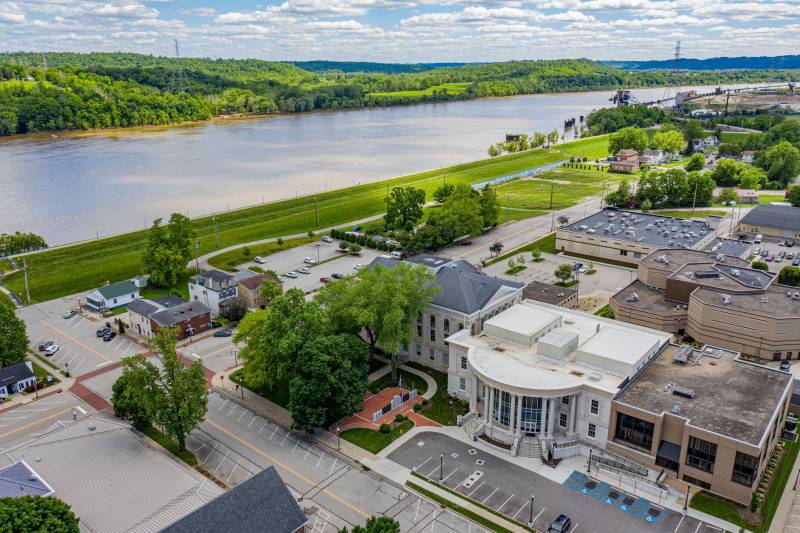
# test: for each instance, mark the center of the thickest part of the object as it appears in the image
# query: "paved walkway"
(787, 516)
(432, 387)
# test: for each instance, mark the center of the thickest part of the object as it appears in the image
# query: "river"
(70, 187)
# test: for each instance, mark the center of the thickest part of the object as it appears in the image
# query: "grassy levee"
(83, 266)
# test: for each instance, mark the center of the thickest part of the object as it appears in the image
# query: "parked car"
(358, 266)
(223, 333)
(45, 345)
(102, 331)
(796, 261)
(337, 275)
(780, 256)
(260, 260)
(109, 336)
(304, 270)
(465, 242)
(757, 251)
(50, 350)
(396, 255)
(790, 256)
(291, 274)
(561, 524)
(356, 228)
(323, 279)
(309, 261)
(781, 243)
(758, 239)
(769, 257)
(785, 365)
(764, 252)
(325, 238)
(69, 314)
(790, 243)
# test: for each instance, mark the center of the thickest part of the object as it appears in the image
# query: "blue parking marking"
(575, 480)
(639, 507)
(601, 490)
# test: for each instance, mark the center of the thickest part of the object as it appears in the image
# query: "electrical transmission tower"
(674, 73)
(179, 83)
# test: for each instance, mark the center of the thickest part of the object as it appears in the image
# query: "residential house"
(466, 300)
(249, 289)
(213, 288)
(112, 296)
(260, 504)
(749, 156)
(626, 161)
(655, 157)
(147, 317)
(746, 196)
(15, 378)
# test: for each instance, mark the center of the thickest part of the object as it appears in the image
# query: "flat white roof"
(625, 346)
(519, 319)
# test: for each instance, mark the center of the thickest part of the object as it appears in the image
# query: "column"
(554, 410)
(573, 412)
(519, 415)
(490, 417)
(486, 412)
(473, 394)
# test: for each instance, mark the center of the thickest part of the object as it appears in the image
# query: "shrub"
(279, 241)
(417, 407)
(399, 418)
(386, 428)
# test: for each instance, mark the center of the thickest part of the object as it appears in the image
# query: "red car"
(324, 280)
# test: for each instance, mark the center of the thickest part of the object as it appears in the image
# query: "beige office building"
(775, 221)
(703, 416)
(715, 300)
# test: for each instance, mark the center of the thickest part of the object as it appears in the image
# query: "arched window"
(433, 321)
(460, 326)
(446, 327)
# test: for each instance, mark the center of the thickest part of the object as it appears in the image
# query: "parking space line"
(104, 363)
(332, 466)
(251, 422)
(320, 459)
(220, 463)
(235, 466)
(284, 439)
(473, 490)
(244, 412)
(538, 515)
(76, 341)
(699, 525)
(490, 495)
(308, 451)
(433, 471)
(524, 505)
(273, 432)
(448, 475)
(505, 502)
(262, 427)
(295, 445)
(423, 462)
(679, 523)
(232, 410)
(81, 409)
(213, 449)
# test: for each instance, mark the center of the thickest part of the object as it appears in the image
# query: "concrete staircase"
(529, 447)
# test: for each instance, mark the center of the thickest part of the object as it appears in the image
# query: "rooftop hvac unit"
(594, 376)
(676, 408)
(634, 297)
(726, 299)
(735, 272)
(683, 392)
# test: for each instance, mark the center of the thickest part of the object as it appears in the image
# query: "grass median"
(83, 266)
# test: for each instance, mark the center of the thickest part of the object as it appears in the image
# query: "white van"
(758, 239)
(396, 255)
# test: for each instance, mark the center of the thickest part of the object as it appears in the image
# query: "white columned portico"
(473, 394)
(573, 411)
(519, 416)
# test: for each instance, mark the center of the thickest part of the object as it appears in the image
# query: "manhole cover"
(613, 495)
(420, 443)
(454, 455)
(473, 451)
(654, 512)
(628, 501)
(479, 462)
(590, 484)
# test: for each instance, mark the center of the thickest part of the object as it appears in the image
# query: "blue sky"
(406, 30)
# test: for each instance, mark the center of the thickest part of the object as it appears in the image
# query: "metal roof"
(262, 504)
(19, 479)
(547, 292)
(216, 275)
(142, 307)
(773, 216)
(115, 290)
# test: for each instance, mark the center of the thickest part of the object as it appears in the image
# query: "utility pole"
(25, 271)
(196, 260)
(694, 200)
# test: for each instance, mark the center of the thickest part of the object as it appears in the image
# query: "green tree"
(670, 140)
(130, 392)
(270, 289)
(793, 195)
(168, 250)
(646, 206)
(552, 137)
(180, 236)
(650, 187)
(443, 192)
(751, 178)
(699, 189)
(692, 129)
(633, 138)
(354, 248)
(789, 275)
(760, 265)
(536, 255)
(13, 337)
(404, 207)
(272, 338)
(382, 302)
(728, 196)
(379, 524)
(727, 172)
(538, 139)
(781, 161)
(495, 248)
(563, 272)
(330, 382)
(490, 210)
(36, 514)
(621, 196)
(235, 309)
(697, 162)
(675, 187)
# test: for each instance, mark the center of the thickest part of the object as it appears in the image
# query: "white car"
(260, 260)
(357, 266)
(325, 238)
(291, 274)
(304, 270)
(309, 261)
(50, 350)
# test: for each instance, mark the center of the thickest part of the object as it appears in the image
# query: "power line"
(179, 83)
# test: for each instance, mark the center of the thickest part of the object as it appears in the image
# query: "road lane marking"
(76, 341)
(103, 364)
(289, 469)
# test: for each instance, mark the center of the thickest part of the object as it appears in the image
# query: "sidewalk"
(787, 515)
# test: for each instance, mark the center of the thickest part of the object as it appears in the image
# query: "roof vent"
(32, 477)
(634, 297)
(676, 408)
(726, 299)
(682, 392)
(92, 427)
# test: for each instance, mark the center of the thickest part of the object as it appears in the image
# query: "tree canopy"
(36, 514)
(404, 207)
(781, 161)
(629, 137)
(13, 337)
(670, 140)
(168, 251)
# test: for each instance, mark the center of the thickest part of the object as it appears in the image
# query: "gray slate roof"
(216, 275)
(774, 216)
(14, 373)
(19, 479)
(173, 315)
(169, 301)
(115, 290)
(547, 292)
(262, 504)
(464, 289)
(142, 307)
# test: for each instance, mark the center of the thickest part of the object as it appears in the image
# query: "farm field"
(450, 88)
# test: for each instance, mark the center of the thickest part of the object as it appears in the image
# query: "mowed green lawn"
(451, 88)
(732, 136)
(591, 148)
(70, 269)
(568, 187)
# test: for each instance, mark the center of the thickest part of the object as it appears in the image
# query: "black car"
(562, 524)
(43, 346)
(102, 331)
(790, 243)
(336, 275)
(785, 366)
(109, 335)
(223, 333)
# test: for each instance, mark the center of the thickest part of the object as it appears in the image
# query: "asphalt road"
(23, 423)
(508, 488)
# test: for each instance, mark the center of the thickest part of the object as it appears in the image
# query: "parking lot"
(773, 249)
(80, 350)
(27, 421)
(507, 488)
(215, 352)
(330, 261)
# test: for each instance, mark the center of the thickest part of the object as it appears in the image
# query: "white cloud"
(11, 12)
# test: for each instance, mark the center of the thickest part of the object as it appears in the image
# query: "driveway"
(80, 351)
(507, 488)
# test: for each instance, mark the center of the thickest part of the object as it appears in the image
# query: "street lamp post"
(530, 518)
(338, 438)
(686, 502)
(66, 365)
(235, 359)
(441, 468)
(589, 468)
